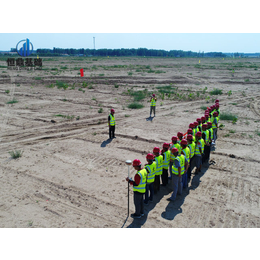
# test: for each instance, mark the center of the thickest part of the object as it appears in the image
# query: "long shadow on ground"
(104, 143)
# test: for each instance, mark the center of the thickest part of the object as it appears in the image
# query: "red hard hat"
(198, 133)
(184, 142)
(217, 105)
(136, 162)
(156, 150)
(216, 101)
(203, 118)
(174, 138)
(196, 123)
(215, 113)
(149, 156)
(166, 145)
(153, 95)
(189, 137)
(175, 150)
(189, 131)
(112, 110)
(210, 123)
(179, 134)
(205, 126)
(198, 119)
(191, 125)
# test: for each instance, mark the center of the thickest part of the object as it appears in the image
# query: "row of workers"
(177, 157)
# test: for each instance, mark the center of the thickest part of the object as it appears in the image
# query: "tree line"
(126, 52)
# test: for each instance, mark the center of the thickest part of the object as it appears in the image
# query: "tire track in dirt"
(72, 199)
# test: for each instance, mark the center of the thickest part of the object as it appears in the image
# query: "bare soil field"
(70, 175)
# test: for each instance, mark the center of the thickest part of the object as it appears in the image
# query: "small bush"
(100, 110)
(203, 107)
(7, 91)
(216, 91)
(257, 132)
(37, 78)
(61, 84)
(227, 116)
(135, 105)
(116, 86)
(16, 154)
(50, 86)
(12, 101)
(232, 131)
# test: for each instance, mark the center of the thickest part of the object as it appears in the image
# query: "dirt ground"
(70, 175)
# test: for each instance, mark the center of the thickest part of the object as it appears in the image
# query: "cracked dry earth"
(71, 175)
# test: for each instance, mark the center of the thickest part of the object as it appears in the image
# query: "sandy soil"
(70, 175)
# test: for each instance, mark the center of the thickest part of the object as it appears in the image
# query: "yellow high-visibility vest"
(153, 102)
(142, 185)
(151, 169)
(112, 120)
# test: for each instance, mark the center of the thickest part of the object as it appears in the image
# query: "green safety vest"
(186, 152)
(153, 102)
(194, 131)
(176, 146)
(213, 124)
(159, 164)
(192, 149)
(211, 133)
(181, 159)
(141, 187)
(197, 150)
(207, 136)
(112, 120)
(151, 169)
(166, 161)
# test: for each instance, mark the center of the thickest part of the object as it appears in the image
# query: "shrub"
(12, 101)
(100, 110)
(216, 91)
(227, 116)
(135, 105)
(16, 154)
(61, 84)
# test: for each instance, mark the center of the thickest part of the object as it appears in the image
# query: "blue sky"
(207, 42)
(222, 26)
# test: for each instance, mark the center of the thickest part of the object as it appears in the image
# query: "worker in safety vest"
(151, 169)
(206, 138)
(178, 168)
(190, 132)
(200, 125)
(192, 126)
(139, 185)
(199, 150)
(196, 128)
(111, 124)
(217, 108)
(173, 144)
(180, 136)
(166, 153)
(191, 145)
(152, 104)
(210, 137)
(186, 152)
(159, 164)
(215, 125)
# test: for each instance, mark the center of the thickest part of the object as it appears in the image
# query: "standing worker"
(153, 104)
(151, 169)
(178, 168)
(199, 149)
(139, 184)
(173, 144)
(215, 126)
(186, 152)
(159, 162)
(206, 138)
(111, 124)
(191, 145)
(166, 153)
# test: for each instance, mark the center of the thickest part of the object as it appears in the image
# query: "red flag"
(81, 72)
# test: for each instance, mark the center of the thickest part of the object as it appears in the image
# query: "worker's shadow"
(174, 207)
(150, 118)
(104, 143)
(137, 223)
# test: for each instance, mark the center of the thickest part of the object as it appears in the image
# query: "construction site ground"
(71, 175)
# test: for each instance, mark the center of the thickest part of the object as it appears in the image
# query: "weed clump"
(135, 105)
(16, 154)
(216, 91)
